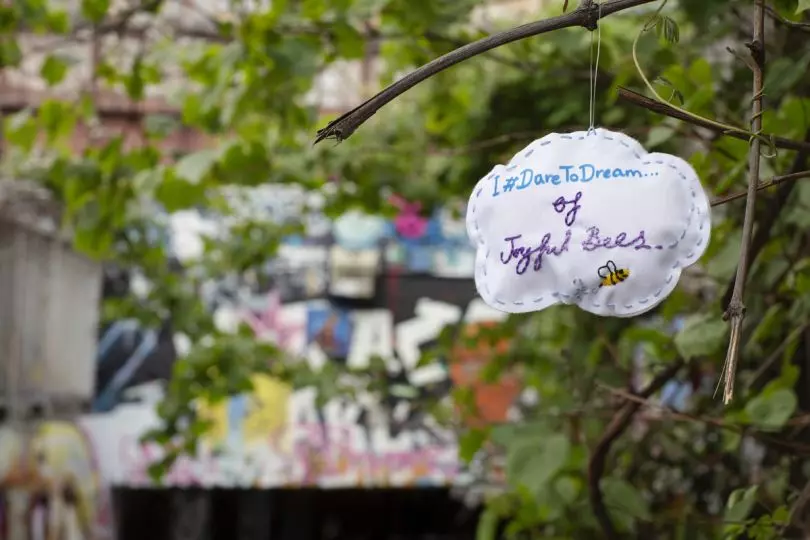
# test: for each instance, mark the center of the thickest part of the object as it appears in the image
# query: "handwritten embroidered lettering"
(523, 254)
(561, 204)
(595, 241)
(565, 174)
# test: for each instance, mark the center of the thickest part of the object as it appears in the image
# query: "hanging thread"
(594, 71)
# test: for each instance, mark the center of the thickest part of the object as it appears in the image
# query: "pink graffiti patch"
(409, 224)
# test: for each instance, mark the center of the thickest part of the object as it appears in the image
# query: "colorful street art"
(321, 289)
(278, 437)
(50, 487)
(346, 291)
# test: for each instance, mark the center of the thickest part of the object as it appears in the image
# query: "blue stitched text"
(565, 174)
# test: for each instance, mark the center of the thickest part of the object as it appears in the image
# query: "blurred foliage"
(690, 475)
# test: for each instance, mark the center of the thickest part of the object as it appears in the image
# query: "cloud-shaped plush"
(586, 218)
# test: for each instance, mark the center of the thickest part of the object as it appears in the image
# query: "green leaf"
(700, 72)
(21, 130)
(701, 335)
(95, 10)
(659, 135)
(769, 325)
(10, 54)
(802, 6)
(622, 498)
(675, 93)
(567, 489)
(57, 118)
(724, 263)
(194, 167)
(781, 515)
(177, 194)
(487, 525)
(784, 73)
(534, 462)
(740, 503)
(58, 21)
(667, 28)
(771, 410)
(470, 443)
(54, 69)
(349, 43)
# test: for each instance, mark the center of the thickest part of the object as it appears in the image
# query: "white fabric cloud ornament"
(588, 218)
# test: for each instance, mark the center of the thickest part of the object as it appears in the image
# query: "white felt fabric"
(546, 224)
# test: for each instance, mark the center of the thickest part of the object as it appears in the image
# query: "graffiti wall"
(277, 437)
(345, 291)
(332, 292)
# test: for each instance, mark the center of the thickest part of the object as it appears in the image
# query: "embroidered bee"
(611, 275)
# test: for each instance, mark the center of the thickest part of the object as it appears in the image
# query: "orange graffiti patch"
(492, 400)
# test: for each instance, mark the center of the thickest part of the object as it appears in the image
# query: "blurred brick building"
(339, 87)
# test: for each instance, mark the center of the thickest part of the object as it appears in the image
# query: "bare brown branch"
(662, 108)
(736, 308)
(587, 16)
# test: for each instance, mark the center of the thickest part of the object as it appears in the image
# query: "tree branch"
(617, 426)
(773, 181)
(772, 13)
(662, 108)
(736, 308)
(586, 15)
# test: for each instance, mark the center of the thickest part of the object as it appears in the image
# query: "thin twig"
(671, 414)
(736, 308)
(773, 181)
(667, 110)
(586, 15)
(620, 422)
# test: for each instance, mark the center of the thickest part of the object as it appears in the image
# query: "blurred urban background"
(191, 291)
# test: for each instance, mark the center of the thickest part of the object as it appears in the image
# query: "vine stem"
(719, 126)
(736, 308)
(666, 109)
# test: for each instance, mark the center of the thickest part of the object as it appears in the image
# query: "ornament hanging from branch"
(587, 218)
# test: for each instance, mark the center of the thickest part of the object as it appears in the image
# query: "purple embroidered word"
(594, 241)
(523, 254)
(561, 204)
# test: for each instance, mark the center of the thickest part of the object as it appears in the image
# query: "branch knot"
(757, 49)
(592, 13)
(735, 310)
